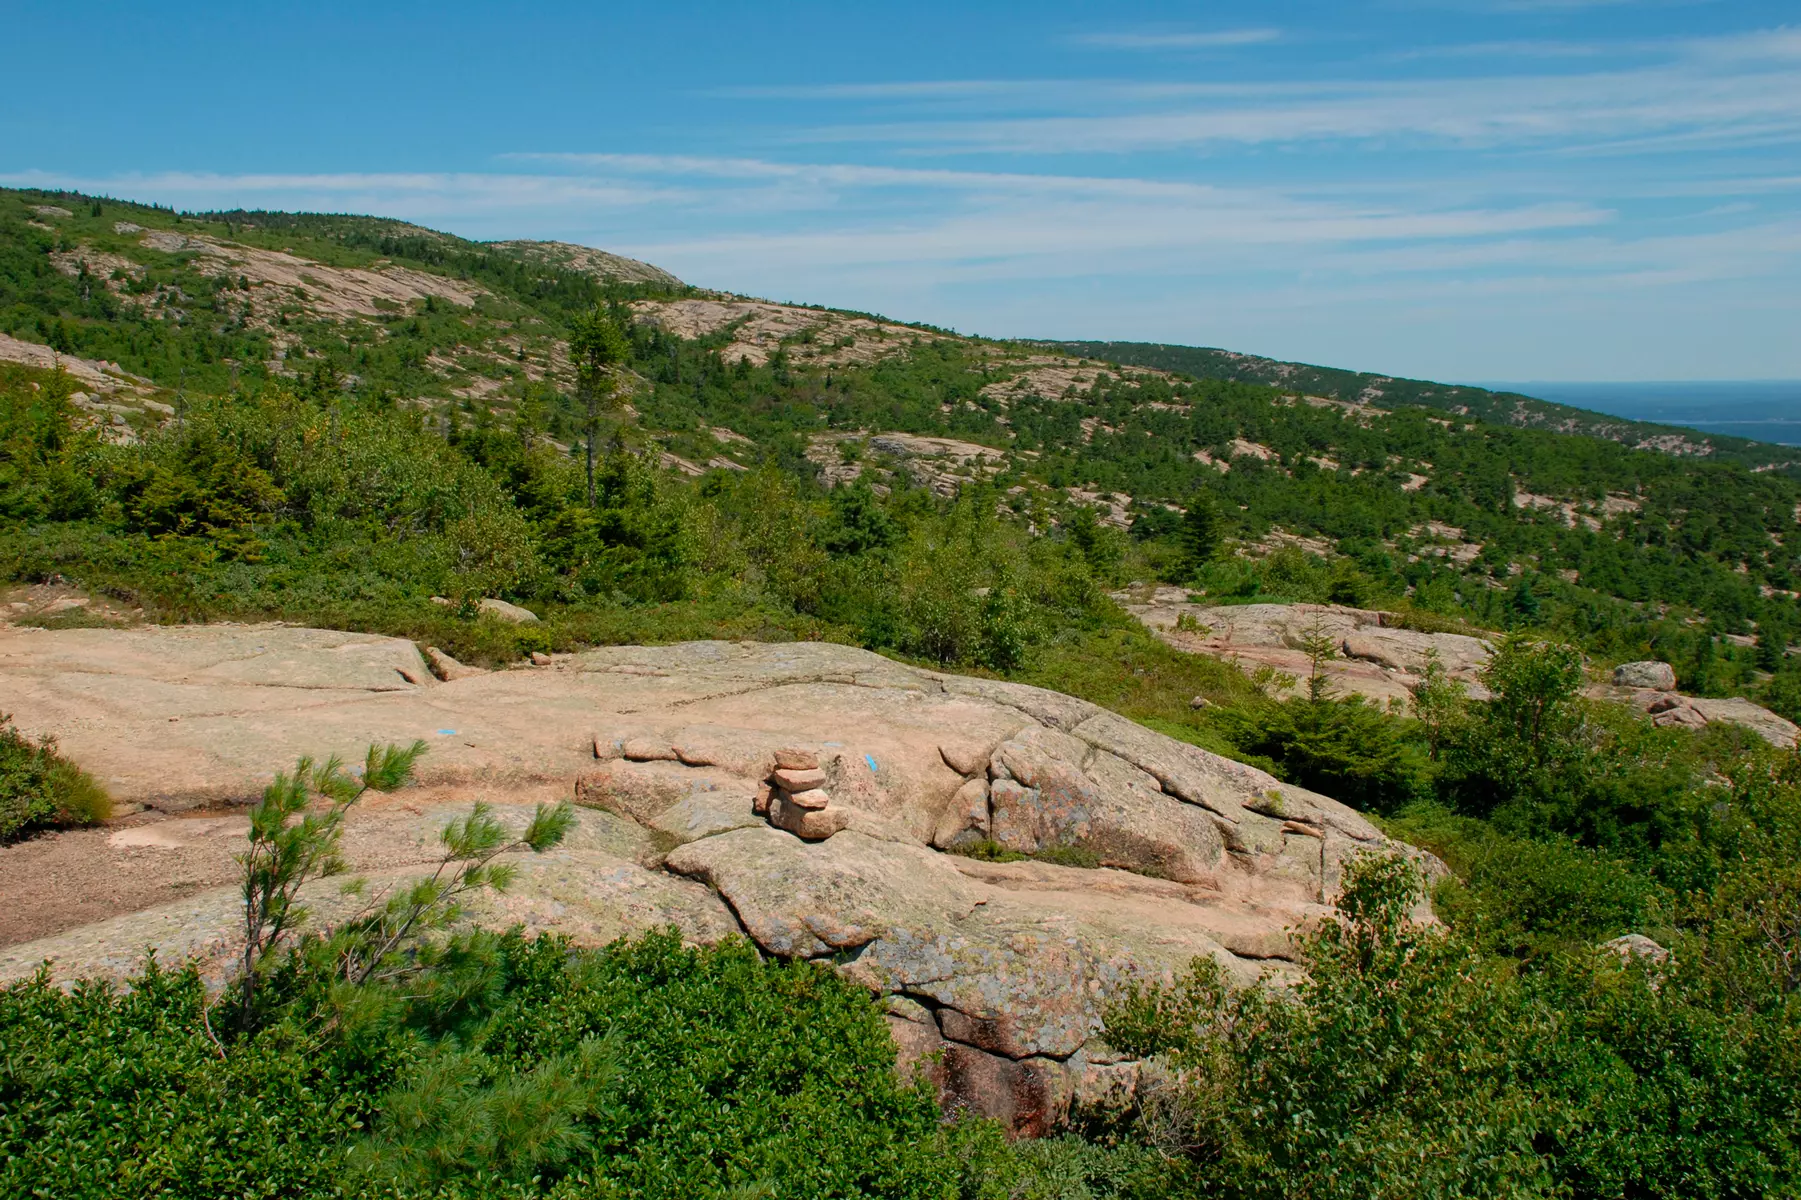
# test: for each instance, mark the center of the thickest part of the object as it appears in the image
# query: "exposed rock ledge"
(1003, 966)
(1382, 662)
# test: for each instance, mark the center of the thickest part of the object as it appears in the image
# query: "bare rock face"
(1666, 708)
(1659, 676)
(1384, 663)
(1376, 659)
(802, 795)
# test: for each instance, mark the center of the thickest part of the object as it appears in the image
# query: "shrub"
(512, 1067)
(39, 787)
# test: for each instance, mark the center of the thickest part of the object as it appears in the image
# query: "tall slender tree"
(1203, 530)
(596, 345)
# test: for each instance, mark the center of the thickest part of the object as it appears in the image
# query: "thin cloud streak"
(1179, 41)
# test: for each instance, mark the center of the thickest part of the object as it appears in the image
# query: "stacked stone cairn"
(795, 798)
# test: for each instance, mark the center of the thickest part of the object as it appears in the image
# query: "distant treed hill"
(1635, 539)
(1505, 408)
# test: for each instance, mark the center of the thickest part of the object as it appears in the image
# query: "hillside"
(1503, 408)
(1469, 503)
(981, 707)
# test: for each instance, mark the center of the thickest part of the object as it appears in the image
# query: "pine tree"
(597, 345)
(1203, 531)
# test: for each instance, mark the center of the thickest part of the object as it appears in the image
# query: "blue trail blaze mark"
(447, 733)
(870, 759)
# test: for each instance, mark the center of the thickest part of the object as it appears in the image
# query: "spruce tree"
(596, 345)
(1203, 531)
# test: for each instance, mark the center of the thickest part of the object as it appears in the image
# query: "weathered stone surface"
(1377, 659)
(1636, 945)
(966, 758)
(1660, 676)
(813, 821)
(793, 758)
(447, 668)
(1384, 663)
(647, 750)
(1668, 709)
(1029, 1096)
(512, 613)
(1410, 650)
(793, 780)
(1737, 711)
(1006, 965)
(965, 819)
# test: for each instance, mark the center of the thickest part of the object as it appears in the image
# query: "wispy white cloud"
(1178, 40)
(456, 192)
(1408, 192)
(916, 89)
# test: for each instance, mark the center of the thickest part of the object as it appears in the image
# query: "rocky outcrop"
(1666, 708)
(1376, 659)
(807, 796)
(1382, 662)
(1657, 676)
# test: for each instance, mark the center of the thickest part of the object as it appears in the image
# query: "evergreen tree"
(596, 346)
(1203, 531)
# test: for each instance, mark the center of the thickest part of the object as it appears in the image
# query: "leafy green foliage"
(39, 787)
(511, 1067)
(1404, 1064)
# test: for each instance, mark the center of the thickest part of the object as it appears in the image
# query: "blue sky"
(1455, 189)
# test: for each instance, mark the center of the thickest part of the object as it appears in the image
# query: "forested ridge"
(335, 420)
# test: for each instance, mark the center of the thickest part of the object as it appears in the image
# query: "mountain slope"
(1506, 408)
(1498, 513)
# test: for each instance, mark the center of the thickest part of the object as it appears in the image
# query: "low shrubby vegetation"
(40, 788)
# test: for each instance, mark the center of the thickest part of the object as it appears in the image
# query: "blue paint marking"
(870, 759)
(447, 733)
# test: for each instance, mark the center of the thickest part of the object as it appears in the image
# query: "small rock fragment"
(1200, 702)
(813, 824)
(540, 659)
(812, 798)
(792, 758)
(792, 780)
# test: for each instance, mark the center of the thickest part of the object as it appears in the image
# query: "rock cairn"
(794, 797)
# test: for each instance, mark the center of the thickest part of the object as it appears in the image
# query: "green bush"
(514, 1067)
(39, 787)
(1407, 1064)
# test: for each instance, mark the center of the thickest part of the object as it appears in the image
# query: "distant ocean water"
(1764, 410)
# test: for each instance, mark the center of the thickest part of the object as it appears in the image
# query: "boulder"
(1636, 945)
(1660, 676)
(1001, 969)
(501, 610)
(448, 668)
